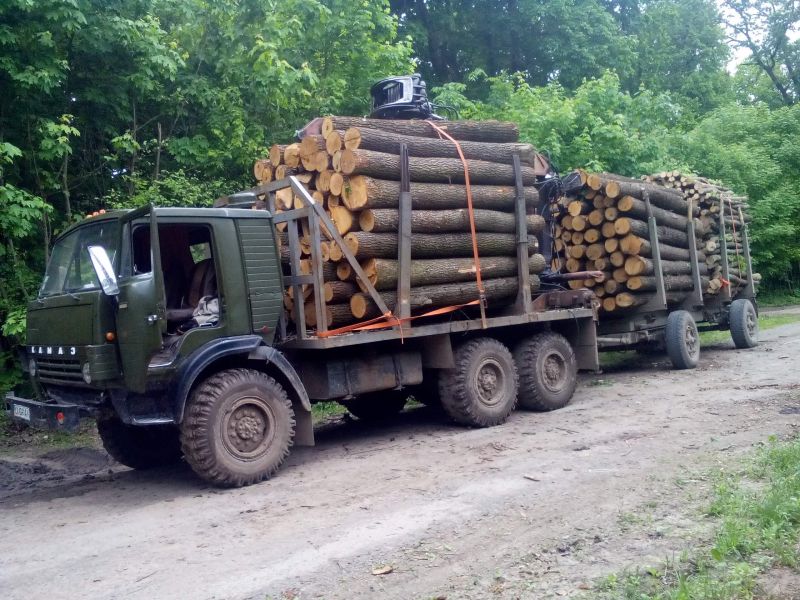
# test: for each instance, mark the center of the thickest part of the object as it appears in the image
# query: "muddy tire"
(238, 428)
(743, 323)
(139, 447)
(481, 390)
(682, 340)
(548, 371)
(377, 406)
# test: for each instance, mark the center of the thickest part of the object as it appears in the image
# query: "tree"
(769, 30)
(545, 40)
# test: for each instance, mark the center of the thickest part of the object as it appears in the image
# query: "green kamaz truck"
(115, 335)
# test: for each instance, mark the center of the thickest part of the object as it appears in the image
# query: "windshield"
(70, 268)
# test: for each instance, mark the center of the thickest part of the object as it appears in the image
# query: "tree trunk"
(660, 197)
(432, 296)
(383, 273)
(636, 246)
(637, 265)
(335, 314)
(437, 221)
(366, 192)
(666, 235)
(628, 300)
(634, 207)
(671, 283)
(431, 170)
(478, 131)
(383, 141)
(276, 154)
(443, 245)
(338, 291)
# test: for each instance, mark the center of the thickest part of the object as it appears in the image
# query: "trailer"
(675, 327)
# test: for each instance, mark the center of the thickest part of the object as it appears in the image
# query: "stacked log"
(604, 227)
(709, 198)
(351, 167)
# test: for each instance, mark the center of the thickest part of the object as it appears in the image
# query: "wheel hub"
(489, 382)
(248, 431)
(752, 322)
(555, 371)
(691, 340)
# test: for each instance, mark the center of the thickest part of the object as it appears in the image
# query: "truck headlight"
(32, 367)
(87, 372)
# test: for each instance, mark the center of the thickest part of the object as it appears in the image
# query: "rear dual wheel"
(481, 390)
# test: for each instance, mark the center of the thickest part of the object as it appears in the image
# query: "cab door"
(141, 311)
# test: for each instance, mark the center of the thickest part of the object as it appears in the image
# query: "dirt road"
(539, 507)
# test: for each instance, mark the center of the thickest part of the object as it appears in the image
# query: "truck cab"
(137, 308)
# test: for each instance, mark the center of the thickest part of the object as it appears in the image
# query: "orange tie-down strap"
(389, 320)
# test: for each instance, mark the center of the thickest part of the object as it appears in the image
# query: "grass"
(765, 322)
(326, 410)
(756, 510)
(778, 297)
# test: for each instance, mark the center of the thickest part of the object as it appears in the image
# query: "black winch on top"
(403, 97)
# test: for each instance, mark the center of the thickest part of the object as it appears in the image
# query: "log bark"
(666, 235)
(477, 131)
(384, 141)
(367, 192)
(637, 265)
(671, 283)
(437, 221)
(335, 314)
(628, 300)
(335, 292)
(660, 197)
(633, 207)
(443, 245)
(636, 246)
(430, 170)
(383, 273)
(432, 296)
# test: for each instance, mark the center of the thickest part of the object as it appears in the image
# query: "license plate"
(23, 412)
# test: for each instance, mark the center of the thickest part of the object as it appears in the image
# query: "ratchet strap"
(475, 255)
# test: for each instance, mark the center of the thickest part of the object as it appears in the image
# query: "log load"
(431, 170)
(384, 245)
(367, 192)
(604, 226)
(350, 167)
(438, 221)
(382, 273)
(476, 131)
(382, 141)
(432, 296)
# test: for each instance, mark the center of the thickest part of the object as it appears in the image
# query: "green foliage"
(599, 126)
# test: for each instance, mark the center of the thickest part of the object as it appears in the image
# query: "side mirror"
(104, 270)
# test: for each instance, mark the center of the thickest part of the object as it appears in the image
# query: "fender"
(276, 357)
(200, 359)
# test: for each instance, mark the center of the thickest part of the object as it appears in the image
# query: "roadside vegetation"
(756, 515)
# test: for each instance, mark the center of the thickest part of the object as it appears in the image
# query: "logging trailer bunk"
(658, 324)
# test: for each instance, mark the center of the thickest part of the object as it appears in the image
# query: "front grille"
(59, 370)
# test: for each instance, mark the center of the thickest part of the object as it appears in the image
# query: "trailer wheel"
(238, 428)
(682, 339)
(548, 371)
(139, 447)
(377, 406)
(743, 322)
(481, 390)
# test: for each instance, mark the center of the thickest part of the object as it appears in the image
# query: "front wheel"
(743, 323)
(682, 339)
(139, 447)
(481, 390)
(238, 428)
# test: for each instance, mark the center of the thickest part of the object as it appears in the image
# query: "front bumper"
(50, 416)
